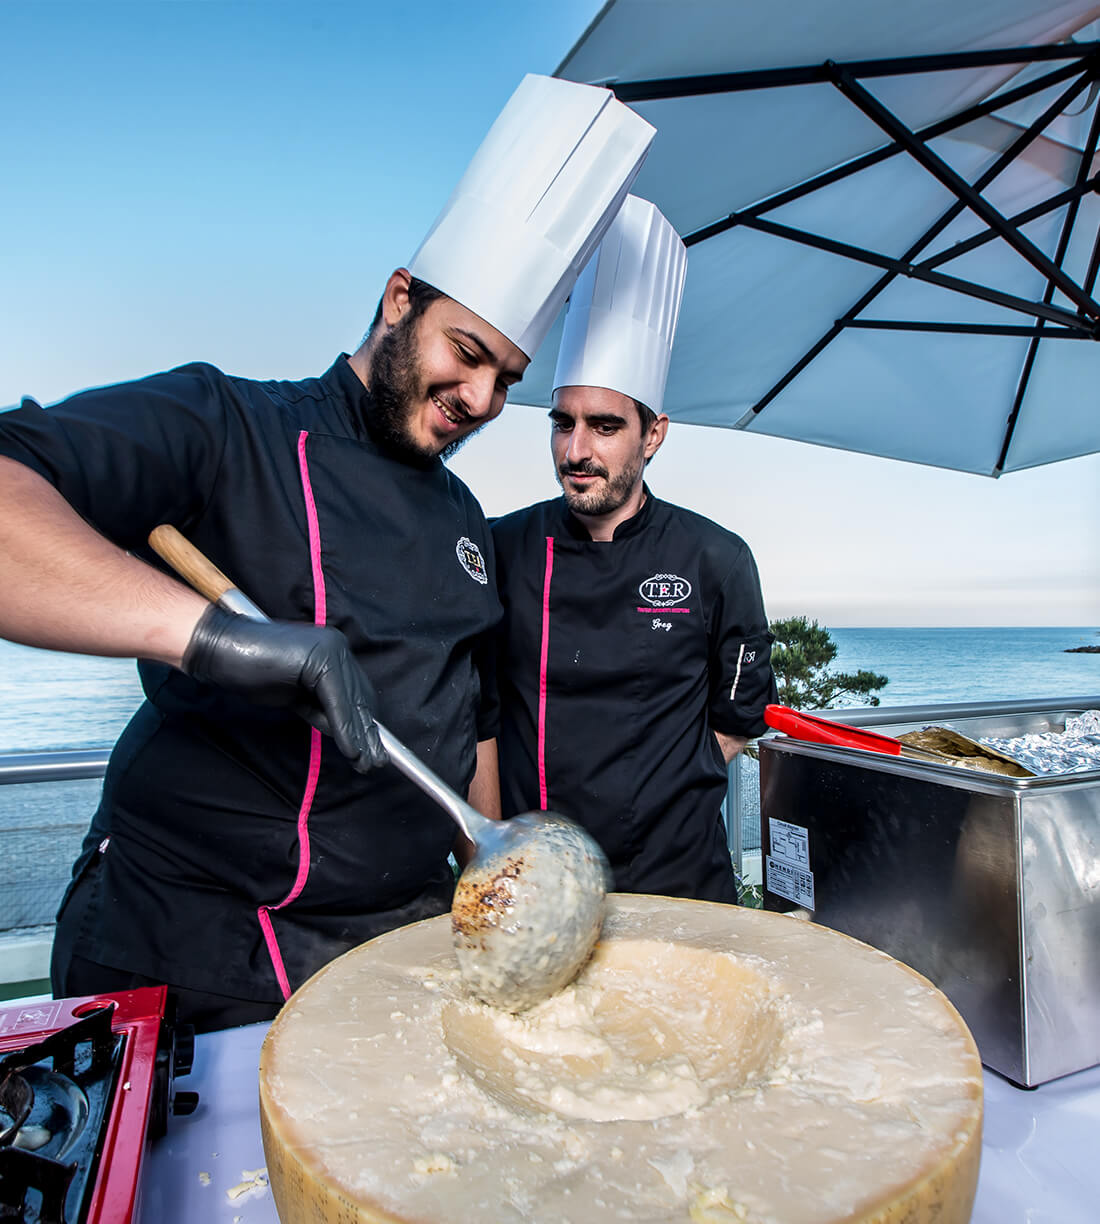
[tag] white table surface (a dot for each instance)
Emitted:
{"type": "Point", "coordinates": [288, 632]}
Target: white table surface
{"type": "Point", "coordinates": [1040, 1148]}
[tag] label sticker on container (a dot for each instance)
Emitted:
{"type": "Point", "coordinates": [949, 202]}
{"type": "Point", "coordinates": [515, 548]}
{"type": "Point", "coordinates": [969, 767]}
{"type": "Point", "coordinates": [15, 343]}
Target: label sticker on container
{"type": "Point", "coordinates": [788, 865]}
{"type": "Point", "coordinates": [790, 842]}
{"type": "Point", "coordinates": [786, 880]}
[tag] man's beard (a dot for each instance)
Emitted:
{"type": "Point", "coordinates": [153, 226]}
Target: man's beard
{"type": "Point", "coordinates": [396, 387]}
{"type": "Point", "coordinates": [606, 498]}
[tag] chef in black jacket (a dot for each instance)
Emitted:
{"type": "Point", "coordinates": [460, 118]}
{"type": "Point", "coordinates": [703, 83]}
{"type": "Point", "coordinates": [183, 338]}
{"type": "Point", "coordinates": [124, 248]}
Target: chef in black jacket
{"type": "Point", "coordinates": [635, 652]}
{"type": "Point", "coordinates": [236, 848]}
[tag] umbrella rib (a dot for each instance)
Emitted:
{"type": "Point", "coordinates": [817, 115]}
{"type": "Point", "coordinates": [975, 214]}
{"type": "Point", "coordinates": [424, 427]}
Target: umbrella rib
{"type": "Point", "coordinates": [663, 88]}
{"type": "Point", "coordinates": [867, 160]}
{"type": "Point", "coordinates": [1094, 264]}
{"type": "Point", "coordinates": [969, 329]}
{"type": "Point", "coordinates": [1071, 195]}
{"type": "Point", "coordinates": [900, 267]}
{"type": "Point", "coordinates": [954, 182]}
{"type": "Point", "coordinates": [636, 91]}
{"type": "Point", "coordinates": [878, 287]}
{"type": "Point", "coordinates": [1063, 246]}
{"type": "Point", "coordinates": [1004, 160]}
{"type": "Point", "coordinates": [1014, 149]}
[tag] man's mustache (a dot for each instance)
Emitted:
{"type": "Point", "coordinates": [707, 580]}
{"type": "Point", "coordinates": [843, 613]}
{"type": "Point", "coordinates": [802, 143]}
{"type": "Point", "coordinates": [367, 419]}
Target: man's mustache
{"type": "Point", "coordinates": [587, 468]}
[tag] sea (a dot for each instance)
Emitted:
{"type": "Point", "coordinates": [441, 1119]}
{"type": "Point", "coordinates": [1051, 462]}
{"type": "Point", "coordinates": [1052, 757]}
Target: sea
{"type": "Point", "coordinates": [53, 701]}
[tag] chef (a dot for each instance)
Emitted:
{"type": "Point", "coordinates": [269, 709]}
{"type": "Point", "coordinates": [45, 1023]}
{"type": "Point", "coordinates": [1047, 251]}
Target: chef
{"type": "Point", "coordinates": [635, 652]}
{"type": "Point", "coordinates": [237, 847]}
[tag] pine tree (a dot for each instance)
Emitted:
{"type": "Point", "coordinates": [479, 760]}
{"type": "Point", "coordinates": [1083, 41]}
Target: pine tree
{"type": "Point", "coordinates": [801, 657]}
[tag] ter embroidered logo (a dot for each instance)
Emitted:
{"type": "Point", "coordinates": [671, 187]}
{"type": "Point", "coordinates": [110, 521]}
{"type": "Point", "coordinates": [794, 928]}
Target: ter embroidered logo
{"type": "Point", "coordinates": [471, 560]}
{"type": "Point", "coordinates": [664, 590]}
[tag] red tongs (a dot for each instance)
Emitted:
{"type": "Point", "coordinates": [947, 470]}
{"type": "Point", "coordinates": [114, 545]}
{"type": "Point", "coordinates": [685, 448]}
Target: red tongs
{"type": "Point", "coordinates": [822, 731]}
{"type": "Point", "coordinates": [959, 749]}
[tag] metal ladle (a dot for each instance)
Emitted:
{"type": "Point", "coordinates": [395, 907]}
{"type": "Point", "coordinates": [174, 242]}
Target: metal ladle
{"type": "Point", "coordinates": [527, 908]}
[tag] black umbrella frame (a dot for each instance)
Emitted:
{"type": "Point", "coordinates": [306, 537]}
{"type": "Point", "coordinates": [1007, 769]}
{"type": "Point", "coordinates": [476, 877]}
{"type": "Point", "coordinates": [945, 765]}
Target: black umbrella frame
{"type": "Point", "coordinates": [1079, 70]}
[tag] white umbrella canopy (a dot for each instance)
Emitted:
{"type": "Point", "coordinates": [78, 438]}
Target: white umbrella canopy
{"type": "Point", "coordinates": [891, 217]}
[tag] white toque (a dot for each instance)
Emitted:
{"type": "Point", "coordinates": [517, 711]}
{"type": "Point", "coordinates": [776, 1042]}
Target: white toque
{"type": "Point", "coordinates": [533, 204]}
{"type": "Point", "coordinates": [622, 314]}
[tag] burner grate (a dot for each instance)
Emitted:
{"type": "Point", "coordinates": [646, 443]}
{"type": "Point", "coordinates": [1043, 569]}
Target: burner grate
{"type": "Point", "coordinates": [55, 1098]}
{"type": "Point", "coordinates": [33, 1188]}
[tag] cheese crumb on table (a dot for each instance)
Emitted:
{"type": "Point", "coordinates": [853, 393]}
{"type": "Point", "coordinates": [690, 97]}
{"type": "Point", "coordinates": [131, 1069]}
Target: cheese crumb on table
{"type": "Point", "coordinates": [254, 1179]}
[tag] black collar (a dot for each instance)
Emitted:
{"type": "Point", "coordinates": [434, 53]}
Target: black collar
{"type": "Point", "coordinates": [347, 387]}
{"type": "Point", "coordinates": [632, 526]}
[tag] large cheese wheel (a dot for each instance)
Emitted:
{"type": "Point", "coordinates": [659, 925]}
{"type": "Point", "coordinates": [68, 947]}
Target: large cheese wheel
{"type": "Point", "coordinates": [711, 1064]}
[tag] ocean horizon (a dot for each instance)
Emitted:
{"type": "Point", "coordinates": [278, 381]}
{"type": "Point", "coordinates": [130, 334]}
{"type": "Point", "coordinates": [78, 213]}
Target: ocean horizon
{"type": "Point", "coordinates": [962, 664]}
{"type": "Point", "coordinates": [51, 700]}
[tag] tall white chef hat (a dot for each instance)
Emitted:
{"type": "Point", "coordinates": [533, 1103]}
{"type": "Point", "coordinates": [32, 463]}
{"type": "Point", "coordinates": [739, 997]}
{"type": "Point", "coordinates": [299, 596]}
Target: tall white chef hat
{"type": "Point", "coordinates": [622, 315]}
{"type": "Point", "coordinates": [533, 204]}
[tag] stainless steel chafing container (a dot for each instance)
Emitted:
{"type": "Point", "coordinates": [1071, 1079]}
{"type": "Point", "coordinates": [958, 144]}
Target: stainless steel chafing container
{"type": "Point", "coordinates": [988, 885]}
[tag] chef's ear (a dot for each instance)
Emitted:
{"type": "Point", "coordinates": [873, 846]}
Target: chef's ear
{"type": "Point", "coordinates": [395, 299]}
{"type": "Point", "coordinates": [655, 436]}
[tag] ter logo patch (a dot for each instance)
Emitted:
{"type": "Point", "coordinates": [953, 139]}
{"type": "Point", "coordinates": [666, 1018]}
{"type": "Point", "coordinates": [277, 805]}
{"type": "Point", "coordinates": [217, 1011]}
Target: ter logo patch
{"type": "Point", "coordinates": [471, 560]}
{"type": "Point", "coordinates": [664, 590]}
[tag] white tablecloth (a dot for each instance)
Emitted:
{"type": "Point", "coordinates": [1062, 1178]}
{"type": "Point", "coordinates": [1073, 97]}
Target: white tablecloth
{"type": "Point", "coordinates": [1040, 1150]}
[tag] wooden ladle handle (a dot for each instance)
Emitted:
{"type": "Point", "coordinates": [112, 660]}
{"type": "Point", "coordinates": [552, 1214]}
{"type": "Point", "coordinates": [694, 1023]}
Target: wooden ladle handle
{"type": "Point", "coordinates": [200, 571]}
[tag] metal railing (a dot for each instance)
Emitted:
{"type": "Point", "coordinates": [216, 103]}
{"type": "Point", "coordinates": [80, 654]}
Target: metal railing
{"type": "Point", "coordinates": [46, 804]}
{"type": "Point", "coordinates": [16, 767]}
{"type": "Point", "coordinates": [52, 847]}
{"type": "Point", "coordinates": [42, 825]}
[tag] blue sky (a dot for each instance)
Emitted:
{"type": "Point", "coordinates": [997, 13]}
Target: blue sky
{"type": "Point", "coordinates": [234, 182]}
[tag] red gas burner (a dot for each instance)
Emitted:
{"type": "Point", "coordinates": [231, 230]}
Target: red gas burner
{"type": "Point", "coordinates": [84, 1083]}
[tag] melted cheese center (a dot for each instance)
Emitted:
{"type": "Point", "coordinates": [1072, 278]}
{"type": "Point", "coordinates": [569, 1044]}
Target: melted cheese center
{"type": "Point", "coordinates": [649, 1030]}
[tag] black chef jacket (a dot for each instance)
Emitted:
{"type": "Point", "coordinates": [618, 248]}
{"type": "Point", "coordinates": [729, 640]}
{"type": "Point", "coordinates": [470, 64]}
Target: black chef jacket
{"type": "Point", "coordinates": [618, 661]}
{"type": "Point", "coordinates": [215, 810]}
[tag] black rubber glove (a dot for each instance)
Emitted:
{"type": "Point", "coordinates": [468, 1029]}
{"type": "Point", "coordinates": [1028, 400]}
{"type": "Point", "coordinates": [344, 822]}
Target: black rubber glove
{"type": "Point", "coordinates": [308, 668]}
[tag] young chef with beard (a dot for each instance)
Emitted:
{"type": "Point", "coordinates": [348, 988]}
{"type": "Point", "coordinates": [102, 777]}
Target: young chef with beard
{"type": "Point", "coordinates": [236, 849]}
{"type": "Point", "coordinates": [635, 652]}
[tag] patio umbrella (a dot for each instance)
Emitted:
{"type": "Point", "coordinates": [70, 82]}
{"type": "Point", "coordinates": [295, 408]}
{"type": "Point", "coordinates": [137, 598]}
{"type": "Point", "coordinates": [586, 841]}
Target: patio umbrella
{"type": "Point", "coordinates": [891, 216]}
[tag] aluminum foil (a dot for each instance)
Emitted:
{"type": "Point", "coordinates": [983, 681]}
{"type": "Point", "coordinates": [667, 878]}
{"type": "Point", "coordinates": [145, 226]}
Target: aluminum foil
{"type": "Point", "coordinates": [1074, 750]}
